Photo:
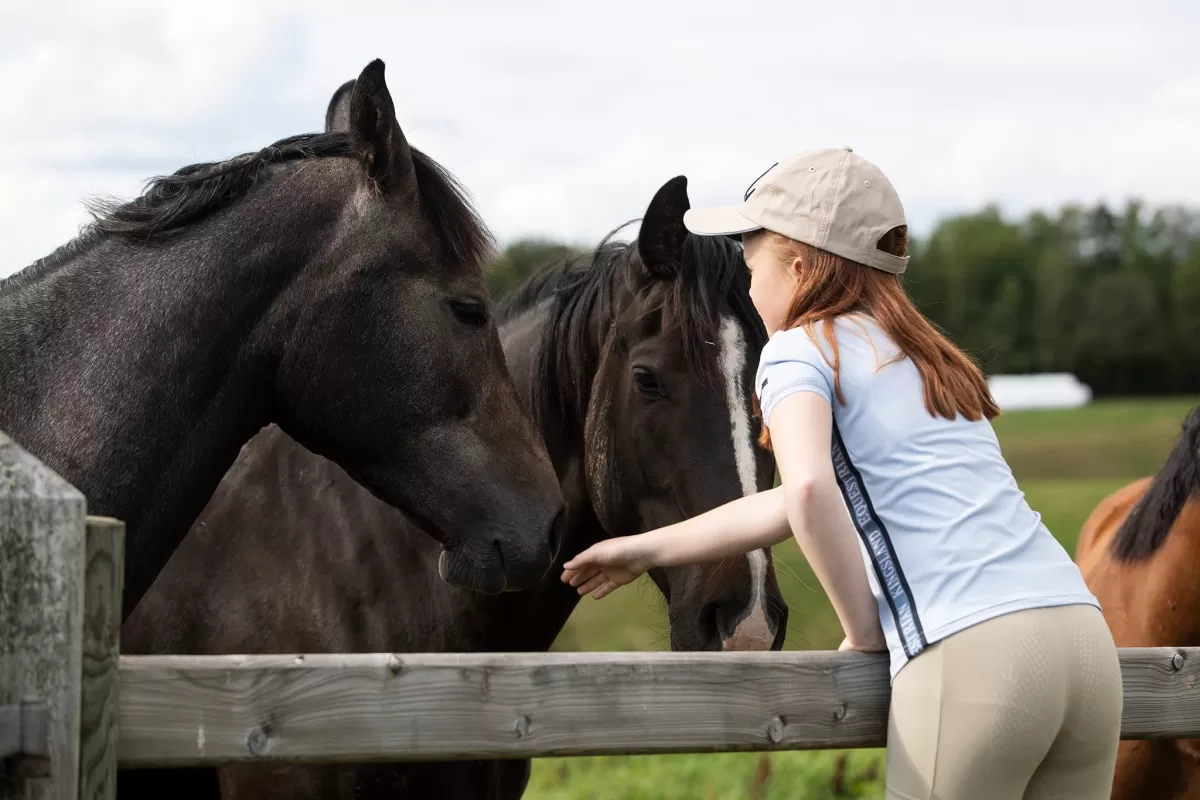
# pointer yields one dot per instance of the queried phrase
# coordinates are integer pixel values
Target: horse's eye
(646, 384)
(469, 310)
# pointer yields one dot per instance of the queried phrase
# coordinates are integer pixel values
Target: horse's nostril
(716, 620)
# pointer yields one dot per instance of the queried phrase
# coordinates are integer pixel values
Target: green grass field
(1065, 461)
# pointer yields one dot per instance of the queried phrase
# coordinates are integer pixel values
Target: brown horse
(1139, 552)
(638, 362)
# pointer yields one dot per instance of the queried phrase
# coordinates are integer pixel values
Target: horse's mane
(581, 292)
(170, 203)
(1149, 522)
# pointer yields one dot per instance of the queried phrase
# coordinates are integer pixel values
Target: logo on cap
(754, 183)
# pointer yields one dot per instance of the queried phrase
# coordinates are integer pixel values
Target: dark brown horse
(331, 283)
(1139, 552)
(638, 361)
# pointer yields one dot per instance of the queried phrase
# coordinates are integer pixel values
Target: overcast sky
(562, 118)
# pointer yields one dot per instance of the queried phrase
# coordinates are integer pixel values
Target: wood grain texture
(1162, 692)
(104, 580)
(41, 612)
(220, 709)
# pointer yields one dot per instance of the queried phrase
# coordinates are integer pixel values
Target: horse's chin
(459, 569)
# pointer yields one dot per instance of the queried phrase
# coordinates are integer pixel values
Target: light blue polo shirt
(946, 535)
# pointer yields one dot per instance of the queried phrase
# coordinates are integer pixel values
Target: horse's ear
(375, 132)
(337, 116)
(662, 236)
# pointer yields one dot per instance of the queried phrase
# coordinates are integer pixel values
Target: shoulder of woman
(806, 340)
(791, 342)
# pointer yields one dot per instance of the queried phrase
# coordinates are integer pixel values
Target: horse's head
(392, 336)
(669, 432)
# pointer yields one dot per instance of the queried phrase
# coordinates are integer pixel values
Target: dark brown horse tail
(1149, 522)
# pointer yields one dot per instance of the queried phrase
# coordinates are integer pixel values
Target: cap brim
(726, 221)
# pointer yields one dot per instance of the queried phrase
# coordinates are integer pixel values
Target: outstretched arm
(748, 523)
(808, 505)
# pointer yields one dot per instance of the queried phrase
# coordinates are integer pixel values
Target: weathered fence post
(103, 584)
(42, 520)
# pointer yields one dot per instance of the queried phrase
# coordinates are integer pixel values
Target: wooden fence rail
(72, 709)
(178, 711)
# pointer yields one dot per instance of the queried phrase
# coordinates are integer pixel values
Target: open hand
(606, 565)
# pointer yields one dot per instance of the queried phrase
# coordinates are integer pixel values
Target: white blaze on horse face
(733, 361)
(754, 631)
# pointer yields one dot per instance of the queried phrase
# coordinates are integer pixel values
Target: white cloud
(563, 119)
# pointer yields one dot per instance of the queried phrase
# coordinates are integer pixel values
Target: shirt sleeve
(790, 363)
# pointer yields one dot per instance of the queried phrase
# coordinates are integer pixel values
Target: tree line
(1111, 295)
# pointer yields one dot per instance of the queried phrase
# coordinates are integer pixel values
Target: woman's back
(939, 515)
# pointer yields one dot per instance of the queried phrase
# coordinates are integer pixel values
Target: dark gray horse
(639, 362)
(330, 283)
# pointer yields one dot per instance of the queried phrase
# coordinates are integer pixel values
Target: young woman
(1005, 679)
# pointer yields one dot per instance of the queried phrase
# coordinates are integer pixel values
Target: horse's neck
(521, 337)
(135, 372)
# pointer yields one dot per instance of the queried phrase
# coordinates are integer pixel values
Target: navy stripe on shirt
(883, 556)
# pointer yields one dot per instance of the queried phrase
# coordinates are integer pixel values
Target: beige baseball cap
(833, 199)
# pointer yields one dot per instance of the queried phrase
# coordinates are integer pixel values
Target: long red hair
(829, 286)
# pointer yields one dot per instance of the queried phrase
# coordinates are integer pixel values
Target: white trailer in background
(1043, 390)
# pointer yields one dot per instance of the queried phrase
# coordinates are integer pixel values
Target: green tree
(1185, 316)
(1121, 345)
(1110, 295)
(968, 259)
(1055, 289)
(522, 259)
